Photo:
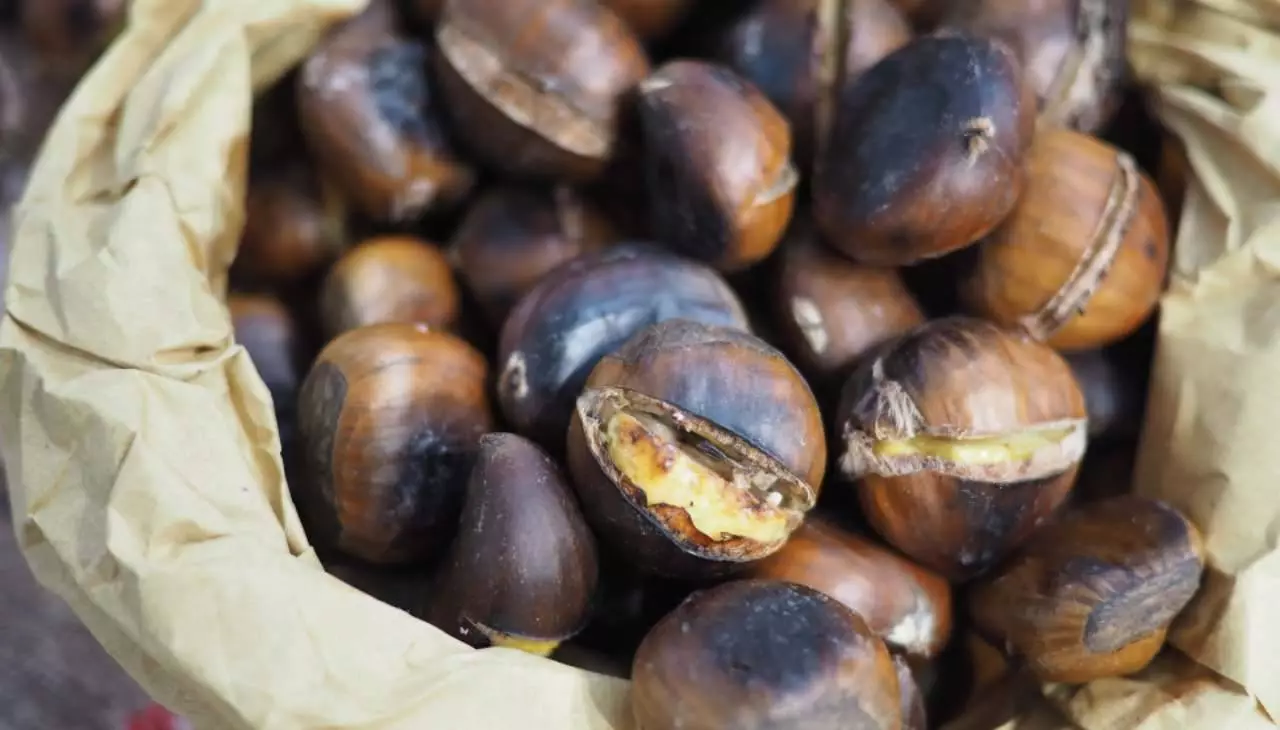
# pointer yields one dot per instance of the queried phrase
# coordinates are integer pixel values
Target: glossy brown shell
(290, 231)
(389, 279)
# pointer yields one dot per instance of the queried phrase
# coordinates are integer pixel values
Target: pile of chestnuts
(776, 355)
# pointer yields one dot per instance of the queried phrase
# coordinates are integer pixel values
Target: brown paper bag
(144, 462)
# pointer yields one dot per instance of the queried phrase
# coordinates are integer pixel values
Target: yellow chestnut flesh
(536, 647)
(986, 450)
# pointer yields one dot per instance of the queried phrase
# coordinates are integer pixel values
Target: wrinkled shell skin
(524, 561)
(368, 113)
(585, 309)
(907, 606)
(389, 279)
(534, 85)
(1081, 261)
(956, 377)
(288, 233)
(649, 19)
(1093, 595)
(717, 163)
(390, 418)
(925, 154)
(763, 655)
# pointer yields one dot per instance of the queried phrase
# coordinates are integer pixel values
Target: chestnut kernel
(583, 310)
(907, 606)
(292, 229)
(1081, 261)
(523, 569)
(389, 279)
(763, 655)
(1093, 595)
(650, 19)
(534, 85)
(369, 117)
(696, 449)
(1072, 52)
(925, 151)
(717, 164)
(390, 418)
(514, 236)
(963, 439)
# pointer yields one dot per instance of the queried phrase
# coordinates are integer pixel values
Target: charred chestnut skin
(291, 230)
(925, 152)
(717, 164)
(370, 119)
(523, 569)
(390, 418)
(955, 382)
(905, 605)
(515, 235)
(583, 310)
(534, 86)
(1093, 595)
(389, 279)
(763, 655)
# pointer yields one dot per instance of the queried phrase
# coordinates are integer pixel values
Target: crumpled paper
(144, 461)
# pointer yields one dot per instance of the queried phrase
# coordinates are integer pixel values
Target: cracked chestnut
(389, 279)
(1081, 261)
(1093, 595)
(522, 571)
(925, 151)
(390, 419)
(370, 119)
(760, 655)
(696, 449)
(963, 438)
(291, 229)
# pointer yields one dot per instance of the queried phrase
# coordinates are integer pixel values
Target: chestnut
(396, 586)
(1113, 394)
(717, 164)
(799, 52)
(830, 311)
(1093, 595)
(70, 34)
(390, 418)
(907, 606)
(650, 19)
(915, 715)
(963, 438)
(267, 331)
(370, 121)
(389, 279)
(534, 86)
(696, 449)
(522, 571)
(292, 230)
(925, 151)
(1081, 261)
(763, 655)
(1072, 52)
(513, 236)
(584, 309)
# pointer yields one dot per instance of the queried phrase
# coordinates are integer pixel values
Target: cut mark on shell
(515, 379)
(978, 133)
(1084, 71)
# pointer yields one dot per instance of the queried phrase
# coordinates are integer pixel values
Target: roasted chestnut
(513, 236)
(69, 34)
(268, 332)
(370, 120)
(583, 310)
(1093, 595)
(534, 85)
(759, 655)
(1113, 394)
(292, 230)
(829, 311)
(696, 449)
(925, 151)
(1081, 261)
(650, 19)
(522, 571)
(1072, 52)
(717, 164)
(963, 439)
(799, 52)
(905, 605)
(389, 279)
(390, 418)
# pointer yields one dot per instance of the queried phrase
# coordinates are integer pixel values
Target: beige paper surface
(143, 458)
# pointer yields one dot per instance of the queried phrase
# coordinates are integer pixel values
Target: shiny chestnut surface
(291, 231)
(389, 279)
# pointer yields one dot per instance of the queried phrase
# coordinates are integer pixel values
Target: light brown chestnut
(370, 119)
(292, 229)
(759, 655)
(717, 164)
(907, 606)
(963, 438)
(389, 279)
(534, 86)
(1081, 261)
(1093, 595)
(390, 419)
(650, 19)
